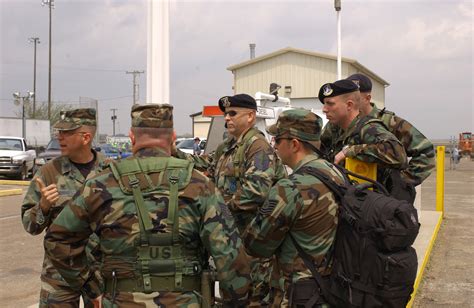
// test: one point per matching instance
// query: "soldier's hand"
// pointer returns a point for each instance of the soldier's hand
(339, 157)
(49, 195)
(97, 302)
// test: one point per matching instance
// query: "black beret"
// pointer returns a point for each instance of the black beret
(336, 88)
(364, 83)
(239, 100)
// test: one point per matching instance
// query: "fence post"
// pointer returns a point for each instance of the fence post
(440, 179)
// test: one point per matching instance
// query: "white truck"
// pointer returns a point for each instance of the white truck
(17, 160)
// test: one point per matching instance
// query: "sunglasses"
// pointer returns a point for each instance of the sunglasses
(279, 139)
(233, 113)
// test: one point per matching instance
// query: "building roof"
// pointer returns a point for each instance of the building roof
(309, 53)
(195, 114)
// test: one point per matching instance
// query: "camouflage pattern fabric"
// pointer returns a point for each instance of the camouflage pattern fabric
(55, 291)
(303, 207)
(260, 169)
(205, 223)
(73, 119)
(152, 116)
(329, 137)
(377, 145)
(417, 146)
(301, 124)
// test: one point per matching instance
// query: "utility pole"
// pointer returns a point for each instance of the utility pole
(34, 40)
(136, 86)
(50, 4)
(113, 118)
(337, 7)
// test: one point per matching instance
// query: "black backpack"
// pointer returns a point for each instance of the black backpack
(373, 263)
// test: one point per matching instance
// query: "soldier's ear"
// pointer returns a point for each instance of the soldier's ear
(132, 136)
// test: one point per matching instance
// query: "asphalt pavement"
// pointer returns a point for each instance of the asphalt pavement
(448, 279)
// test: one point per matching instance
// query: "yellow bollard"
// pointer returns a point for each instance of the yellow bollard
(440, 179)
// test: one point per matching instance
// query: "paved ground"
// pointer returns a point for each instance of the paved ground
(449, 278)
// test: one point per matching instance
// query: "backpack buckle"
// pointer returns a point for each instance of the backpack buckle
(173, 179)
(134, 183)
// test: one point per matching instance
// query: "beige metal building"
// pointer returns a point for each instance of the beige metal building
(300, 73)
(200, 125)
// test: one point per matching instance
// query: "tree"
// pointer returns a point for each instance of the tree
(41, 112)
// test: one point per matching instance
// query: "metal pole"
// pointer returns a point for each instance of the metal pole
(114, 117)
(50, 4)
(135, 84)
(337, 6)
(34, 40)
(158, 60)
(23, 121)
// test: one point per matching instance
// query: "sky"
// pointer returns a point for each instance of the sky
(423, 48)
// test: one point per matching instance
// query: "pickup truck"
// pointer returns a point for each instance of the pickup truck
(16, 158)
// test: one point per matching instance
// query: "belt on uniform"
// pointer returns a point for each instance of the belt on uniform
(189, 283)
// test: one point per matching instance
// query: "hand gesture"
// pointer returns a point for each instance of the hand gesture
(49, 195)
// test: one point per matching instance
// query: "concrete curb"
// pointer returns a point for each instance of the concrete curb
(13, 182)
(426, 258)
(11, 192)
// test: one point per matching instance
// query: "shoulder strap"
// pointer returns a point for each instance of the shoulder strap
(385, 116)
(239, 156)
(356, 134)
(310, 265)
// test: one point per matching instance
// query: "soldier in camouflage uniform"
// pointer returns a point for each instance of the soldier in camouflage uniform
(244, 168)
(158, 220)
(53, 186)
(300, 207)
(361, 138)
(417, 146)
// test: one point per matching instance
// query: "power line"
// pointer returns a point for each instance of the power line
(72, 68)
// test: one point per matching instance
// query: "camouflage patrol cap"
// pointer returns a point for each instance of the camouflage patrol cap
(73, 119)
(300, 124)
(152, 116)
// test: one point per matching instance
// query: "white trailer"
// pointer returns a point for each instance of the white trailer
(38, 132)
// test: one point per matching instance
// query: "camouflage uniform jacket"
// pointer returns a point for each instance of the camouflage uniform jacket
(417, 146)
(376, 145)
(260, 169)
(329, 136)
(69, 180)
(205, 223)
(303, 207)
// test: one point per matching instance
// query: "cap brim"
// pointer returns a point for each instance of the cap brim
(272, 130)
(66, 126)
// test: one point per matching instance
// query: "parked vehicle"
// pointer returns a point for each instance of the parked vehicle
(53, 150)
(186, 145)
(465, 144)
(16, 158)
(109, 151)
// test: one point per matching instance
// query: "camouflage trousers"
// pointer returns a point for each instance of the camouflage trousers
(60, 296)
(260, 271)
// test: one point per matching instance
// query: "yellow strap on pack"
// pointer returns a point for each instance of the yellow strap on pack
(368, 170)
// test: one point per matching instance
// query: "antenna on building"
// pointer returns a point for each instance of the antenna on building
(252, 50)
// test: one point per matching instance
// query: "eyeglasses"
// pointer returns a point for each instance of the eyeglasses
(279, 139)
